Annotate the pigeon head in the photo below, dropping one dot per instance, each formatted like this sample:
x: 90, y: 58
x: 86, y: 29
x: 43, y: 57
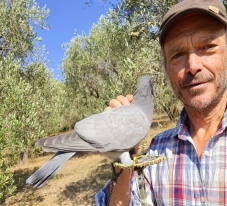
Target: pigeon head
x: 144, y: 91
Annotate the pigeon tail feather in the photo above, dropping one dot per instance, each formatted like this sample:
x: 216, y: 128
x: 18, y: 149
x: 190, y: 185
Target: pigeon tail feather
x: 47, y: 171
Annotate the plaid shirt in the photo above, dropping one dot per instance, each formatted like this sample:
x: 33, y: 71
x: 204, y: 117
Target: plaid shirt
x: 182, y: 178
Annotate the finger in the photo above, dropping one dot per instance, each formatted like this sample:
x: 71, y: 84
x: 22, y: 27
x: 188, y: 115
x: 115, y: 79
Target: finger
x: 123, y: 100
x: 134, y: 151
x: 129, y: 97
x: 120, y: 101
x: 107, y: 108
x: 115, y: 103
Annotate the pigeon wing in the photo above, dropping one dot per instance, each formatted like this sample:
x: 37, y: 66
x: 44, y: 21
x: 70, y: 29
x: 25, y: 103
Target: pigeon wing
x: 69, y: 141
x: 120, y: 128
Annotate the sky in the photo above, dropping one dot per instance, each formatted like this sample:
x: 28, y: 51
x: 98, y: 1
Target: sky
x: 66, y: 16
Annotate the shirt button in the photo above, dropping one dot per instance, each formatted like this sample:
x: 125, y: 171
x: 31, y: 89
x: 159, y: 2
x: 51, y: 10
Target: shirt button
x: 202, y: 199
x: 206, y: 153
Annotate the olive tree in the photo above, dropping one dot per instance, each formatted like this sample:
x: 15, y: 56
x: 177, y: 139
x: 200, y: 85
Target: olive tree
x: 108, y: 62
x: 30, y: 99
x: 17, y: 23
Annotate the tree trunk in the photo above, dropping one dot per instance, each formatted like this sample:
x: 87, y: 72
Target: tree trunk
x: 25, y: 156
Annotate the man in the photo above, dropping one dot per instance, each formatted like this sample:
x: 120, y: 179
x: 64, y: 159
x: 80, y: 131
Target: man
x: 193, y: 40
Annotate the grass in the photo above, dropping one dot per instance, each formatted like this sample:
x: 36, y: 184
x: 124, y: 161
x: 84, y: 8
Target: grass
x: 77, y: 182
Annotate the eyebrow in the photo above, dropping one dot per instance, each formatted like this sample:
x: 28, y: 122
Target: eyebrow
x: 176, y: 49
x: 209, y: 38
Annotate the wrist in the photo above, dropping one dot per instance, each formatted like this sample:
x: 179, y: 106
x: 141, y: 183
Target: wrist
x: 119, y: 189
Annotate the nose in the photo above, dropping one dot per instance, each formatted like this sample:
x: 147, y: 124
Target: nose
x: 194, y: 63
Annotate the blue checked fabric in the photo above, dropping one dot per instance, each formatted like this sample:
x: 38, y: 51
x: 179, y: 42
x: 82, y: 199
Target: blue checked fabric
x: 182, y: 178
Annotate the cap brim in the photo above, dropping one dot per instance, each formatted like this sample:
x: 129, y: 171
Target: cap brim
x: 180, y: 15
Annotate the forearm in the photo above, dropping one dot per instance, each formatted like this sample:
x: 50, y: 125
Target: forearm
x: 120, y: 193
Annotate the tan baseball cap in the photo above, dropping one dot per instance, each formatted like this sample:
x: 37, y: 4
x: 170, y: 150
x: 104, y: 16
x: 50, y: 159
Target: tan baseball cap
x: 214, y: 8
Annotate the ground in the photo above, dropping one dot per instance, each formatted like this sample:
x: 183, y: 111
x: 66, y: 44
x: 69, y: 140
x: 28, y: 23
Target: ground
x: 76, y: 183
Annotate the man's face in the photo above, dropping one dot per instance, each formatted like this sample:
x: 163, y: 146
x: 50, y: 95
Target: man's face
x: 195, y: 53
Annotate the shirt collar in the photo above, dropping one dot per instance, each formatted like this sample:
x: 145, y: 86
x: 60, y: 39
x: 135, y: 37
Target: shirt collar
x: 181, y: 130
x: 223, y: 125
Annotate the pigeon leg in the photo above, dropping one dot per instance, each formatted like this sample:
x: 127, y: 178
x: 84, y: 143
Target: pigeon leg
x: 126, y: 159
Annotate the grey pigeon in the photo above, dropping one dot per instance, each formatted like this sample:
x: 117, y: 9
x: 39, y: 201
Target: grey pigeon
x: 113, y: 132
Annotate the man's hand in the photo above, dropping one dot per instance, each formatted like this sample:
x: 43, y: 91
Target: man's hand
x: 120, y: 101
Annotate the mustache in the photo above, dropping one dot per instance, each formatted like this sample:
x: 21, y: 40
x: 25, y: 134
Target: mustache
x: 190, y: 79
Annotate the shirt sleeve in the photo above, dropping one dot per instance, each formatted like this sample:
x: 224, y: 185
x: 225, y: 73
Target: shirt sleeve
x: 100, y: 197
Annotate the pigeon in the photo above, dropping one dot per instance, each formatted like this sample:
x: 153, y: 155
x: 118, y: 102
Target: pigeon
x: 113, y: 133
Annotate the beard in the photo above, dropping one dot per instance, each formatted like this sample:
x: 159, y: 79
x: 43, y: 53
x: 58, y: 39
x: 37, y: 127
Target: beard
x: 198, y: 103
